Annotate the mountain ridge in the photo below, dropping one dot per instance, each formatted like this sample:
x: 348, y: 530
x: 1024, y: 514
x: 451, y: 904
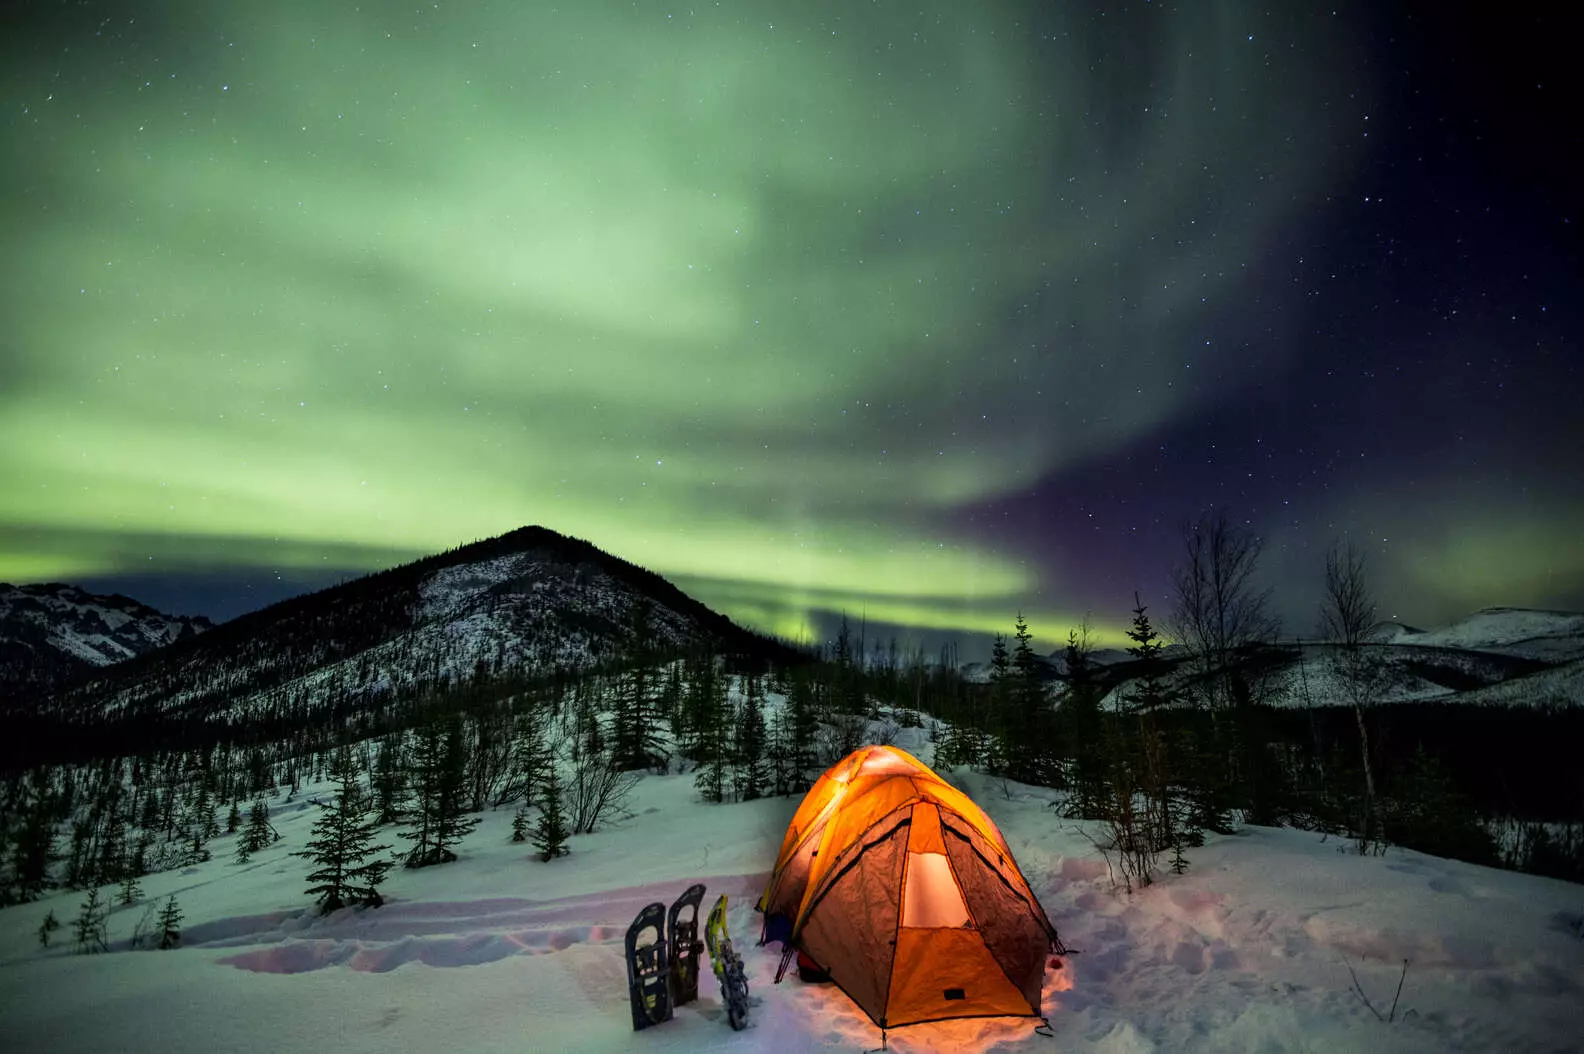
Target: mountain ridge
x: 530, y: 604
x: 53, y: 632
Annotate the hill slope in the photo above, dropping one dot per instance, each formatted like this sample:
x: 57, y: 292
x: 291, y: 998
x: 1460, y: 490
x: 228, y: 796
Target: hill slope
x: 52, y: 633
x: 530, y: 602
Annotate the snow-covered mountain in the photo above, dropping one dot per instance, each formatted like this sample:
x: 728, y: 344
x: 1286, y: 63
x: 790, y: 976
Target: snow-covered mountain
x: 1498, y: 656
x: 1549, y: 636
x: 531, y: 602
x: 50, y: 633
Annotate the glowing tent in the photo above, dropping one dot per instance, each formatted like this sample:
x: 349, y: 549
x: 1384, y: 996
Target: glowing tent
x: 901, y: 889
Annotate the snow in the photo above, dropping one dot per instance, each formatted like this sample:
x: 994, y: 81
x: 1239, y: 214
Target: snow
x: 1248, y: 951
x: 1550, y: 636
x: 96, y: 630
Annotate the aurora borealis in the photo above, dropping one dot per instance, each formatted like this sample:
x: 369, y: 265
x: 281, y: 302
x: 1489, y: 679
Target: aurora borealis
x: 929, y: 312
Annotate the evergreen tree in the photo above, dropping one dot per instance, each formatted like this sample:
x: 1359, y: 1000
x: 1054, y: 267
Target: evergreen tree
x: 89, y: 926
x: 388, y: 783
x: 750, y: 776
x: 111, y: 854
x: 550, y: 835
x: 208, y: 826
x: 149, y: 815
x: 130, y: 892
x: 670, y: 698
x: 531, y: 761
x: 802, y: 729
x: 170, y: 924
x: 33, y: 851
x: 1082, y: 722
x: 1028, y: 749
x: 79, y: 856
x: 635, y: 724
x: 436, y: 822
x: 47, y: 927
x: 778, y: 754
x: 258, y: 833
x: 999, y: 716
x: 233, y: 818
x: 520, y: 824
x: 712, y: 745
x: 1148, y: 697
x: 340, y: 845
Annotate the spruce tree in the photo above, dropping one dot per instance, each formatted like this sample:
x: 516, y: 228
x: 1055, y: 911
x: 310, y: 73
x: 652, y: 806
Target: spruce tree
x: 669, y: 701
x: 340, y: 845
x: 233, y: 818
x: 713, y: 746
x: 33, y: 851
x: 1081, y: 715
x: 1148, y: 697
x: 749, y: 777
x: 802, y: 729
x: 170, y: 924
x: 530, y: 762
x: 258, y: 832
x: 1000, y: 717
x: 1029, y: 749
x: 778, y: 754
x: 47, y: 927
x: 111, y: 855
x: 88, y: 928
x: 130, y: 892
x: 550, y: 835
x: 635, y: 731
x: 520, y: 824
x: 388, y: 783
x: 436, y: 822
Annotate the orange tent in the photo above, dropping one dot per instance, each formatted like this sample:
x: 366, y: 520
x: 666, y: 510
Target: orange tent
x: 901, y: 889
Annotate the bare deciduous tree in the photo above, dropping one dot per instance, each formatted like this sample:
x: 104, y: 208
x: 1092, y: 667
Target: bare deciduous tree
x: 598, y: 789
x: 1347, y: 619
x: 1220, y: 615
x: 1219, y: 611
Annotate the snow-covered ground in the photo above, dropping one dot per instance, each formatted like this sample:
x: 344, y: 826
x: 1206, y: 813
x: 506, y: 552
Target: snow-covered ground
x: 1249, y: 951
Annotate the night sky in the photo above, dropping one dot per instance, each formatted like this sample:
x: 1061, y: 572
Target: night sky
x: 926, y: 312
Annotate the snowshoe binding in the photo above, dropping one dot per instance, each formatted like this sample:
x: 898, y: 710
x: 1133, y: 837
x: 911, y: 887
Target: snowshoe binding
x: 649, y: 968
x: 683, y: 927
x: 728, y: 966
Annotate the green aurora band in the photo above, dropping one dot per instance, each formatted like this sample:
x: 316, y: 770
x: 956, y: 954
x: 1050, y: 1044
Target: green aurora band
x: 753, y: 295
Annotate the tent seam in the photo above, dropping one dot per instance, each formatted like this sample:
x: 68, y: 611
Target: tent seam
x: 1034, y: 907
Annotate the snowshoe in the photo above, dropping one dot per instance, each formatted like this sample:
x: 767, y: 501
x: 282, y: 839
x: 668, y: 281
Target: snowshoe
x: 648, y: 969
x: 683, y: 926
x: 728, y: 966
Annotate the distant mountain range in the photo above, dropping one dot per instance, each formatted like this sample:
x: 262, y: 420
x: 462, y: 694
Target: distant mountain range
x: 529, y: 603
x: 1497, y: 656
x: 533, y: 603
x: 53, y: 633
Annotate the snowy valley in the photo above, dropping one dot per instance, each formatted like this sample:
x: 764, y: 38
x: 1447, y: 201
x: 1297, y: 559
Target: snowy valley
x: 1257, y: 948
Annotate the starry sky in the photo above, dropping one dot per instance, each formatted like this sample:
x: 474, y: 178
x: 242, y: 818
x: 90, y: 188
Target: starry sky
x: 928, y: 313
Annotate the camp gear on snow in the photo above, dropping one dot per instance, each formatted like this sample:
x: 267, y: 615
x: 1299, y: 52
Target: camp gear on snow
x: 648, y: 969
x: 901, y: 889
x: 728, y: 966
x: 682, y: 925
x: 810, y: 971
